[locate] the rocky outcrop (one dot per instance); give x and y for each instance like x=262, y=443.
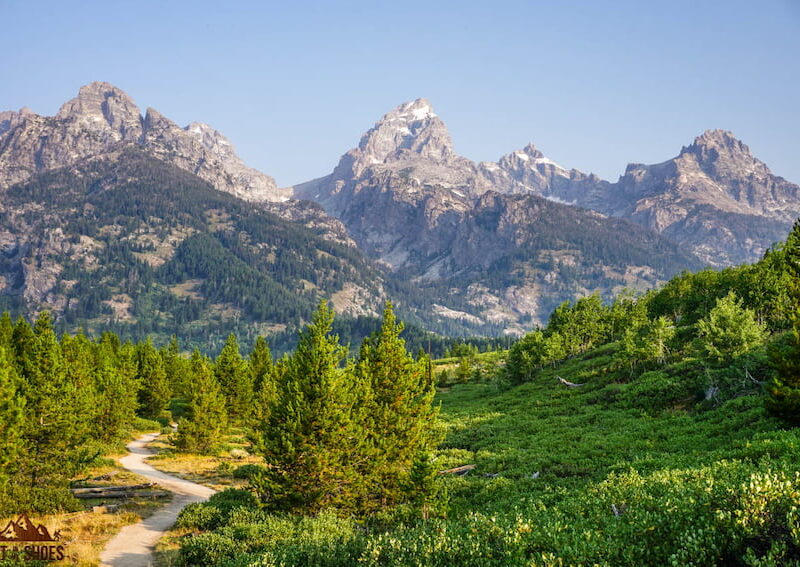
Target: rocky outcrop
x=103, y=118
x=715, y=198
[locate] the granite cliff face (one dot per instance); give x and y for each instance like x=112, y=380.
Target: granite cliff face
x=497, y=235
x=715, y=198
x=103, y=118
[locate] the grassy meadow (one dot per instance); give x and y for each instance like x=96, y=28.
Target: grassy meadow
x=621, y=470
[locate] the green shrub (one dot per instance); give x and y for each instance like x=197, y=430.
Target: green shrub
x=658, y=390
x=143, y=425
x=209, y=549
x=199, y=515
x=232, y=498
x=247, y=471
x=36, y=500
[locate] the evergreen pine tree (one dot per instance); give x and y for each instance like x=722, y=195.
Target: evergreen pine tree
x=234, y=377
x=56, y=427
x=23, y=339
x=423, y=488
x=6, y=332
x=11, y=419
x=784, y=389
x=263, y=374
x=78, y=354
x=399, y=415
x=176, y=368
x=308, y=440
x=203, y=425
x=117, y=395
x=260, y=362
x=154, y=391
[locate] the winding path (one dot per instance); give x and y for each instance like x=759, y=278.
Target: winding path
x=133, y=546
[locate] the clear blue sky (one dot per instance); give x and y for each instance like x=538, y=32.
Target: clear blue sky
x=594, y=84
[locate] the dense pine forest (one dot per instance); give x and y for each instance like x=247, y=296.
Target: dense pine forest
x=657, y=429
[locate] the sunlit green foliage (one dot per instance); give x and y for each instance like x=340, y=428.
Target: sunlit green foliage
x=784, y=389
x=205, y=421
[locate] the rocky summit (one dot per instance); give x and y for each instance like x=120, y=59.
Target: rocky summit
x=715, y=199
x=103, y=118
x=499, y=235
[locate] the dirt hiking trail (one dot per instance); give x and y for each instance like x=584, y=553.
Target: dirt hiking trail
x=133, y=546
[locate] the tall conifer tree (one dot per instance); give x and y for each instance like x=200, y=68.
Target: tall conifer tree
x=117, y=395
x=784, y=389
x=398, y=412
x=263, y=376
x=154, y=390
x=203, y=425
x=11, y=419
x=308, y=440
x=56, y=428
x=6, y=332
x=234, y=378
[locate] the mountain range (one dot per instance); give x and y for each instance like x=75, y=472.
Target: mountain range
x=116, y=218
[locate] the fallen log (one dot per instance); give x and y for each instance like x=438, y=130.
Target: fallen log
x=95, y=489
x=568, y=384
x=460, y=471
x=120, y=494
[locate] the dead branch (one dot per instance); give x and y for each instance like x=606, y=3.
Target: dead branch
x=460, y=471
x=569, y=384
x=103, y=489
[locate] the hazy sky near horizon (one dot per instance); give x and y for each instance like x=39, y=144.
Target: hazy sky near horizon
x=293, y=85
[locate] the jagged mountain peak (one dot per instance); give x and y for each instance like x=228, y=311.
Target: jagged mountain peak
x=100, y=101
x=721, y=154
x=531, y=157
x=101, y=118
x=418, y=109
x=715, y=197
x=153, y=117
x=717, y=138
x=100, y=88
x=210, y=138
x=411, y=129
x=716, y=144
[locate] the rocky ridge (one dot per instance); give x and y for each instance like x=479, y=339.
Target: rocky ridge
x=491, y=245
x=715, y=199
x=496, y=234
x=103, y=118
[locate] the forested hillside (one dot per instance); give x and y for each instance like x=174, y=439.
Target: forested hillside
x=129, y=244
